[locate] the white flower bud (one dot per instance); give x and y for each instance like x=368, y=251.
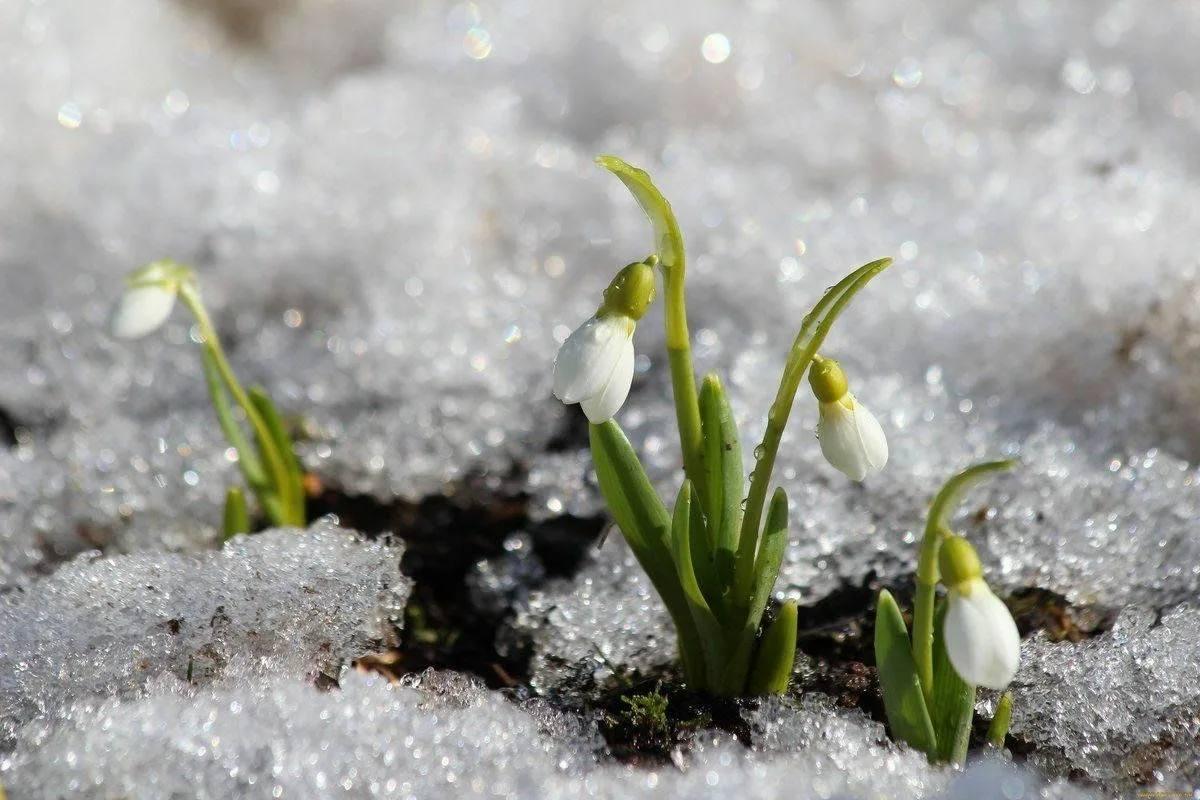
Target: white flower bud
x=594, y=366
x=851, y=438
x=142, y=310
x=981, y=638
x=148, y=300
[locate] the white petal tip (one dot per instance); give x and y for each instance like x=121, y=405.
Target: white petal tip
x=588, y=356
x=981, y=638
x=141, y=311
x=603, y=406
x=852, y=440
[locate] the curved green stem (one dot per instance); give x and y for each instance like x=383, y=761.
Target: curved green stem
x=811, y=336
x=668, y=245
x=276, y=466
x=687, y=412
x=936, y=529
x=251, y=466
x=924, y=603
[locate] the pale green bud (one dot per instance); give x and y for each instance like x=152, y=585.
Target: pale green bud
x=959, y=562
x=632, y=291
x=828, y=382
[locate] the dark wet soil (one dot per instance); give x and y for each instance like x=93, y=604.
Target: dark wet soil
x=445, y=536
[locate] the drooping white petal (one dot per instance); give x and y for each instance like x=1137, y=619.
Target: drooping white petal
x=142, y=309
x=851, y=438
x=981, y=638
x=870, y=432
x=603, y=405
x=587, y=358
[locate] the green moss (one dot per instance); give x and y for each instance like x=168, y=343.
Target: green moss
x=647, y=712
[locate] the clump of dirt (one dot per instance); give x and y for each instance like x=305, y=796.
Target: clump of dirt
x=1042, y=610
x=445, y=536
x=837, y=634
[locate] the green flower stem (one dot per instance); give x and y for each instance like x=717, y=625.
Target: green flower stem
x=252, y=468
x=679, y=355
x=811, y=336
x=687, y=412
x=668, y=246
x=923, y=606
x=936, y=529
x=276, y=466
x=683, y=374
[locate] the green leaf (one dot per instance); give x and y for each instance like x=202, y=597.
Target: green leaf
x=704, y=561
x=776, y=654
x=726, y=483
x=907, y=714
x=709, y=630
x=681, y=546
x=644, y=522
x=294, y=491
x=952, y=705
x=237, y=518
x=248, y=459
x=668, y=241
x=631, y=498
x=766, y=570
x=998, y=729
x=770, y=556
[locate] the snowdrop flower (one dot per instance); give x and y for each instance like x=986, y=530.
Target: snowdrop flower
x=149, y=297
x=981, y=637
x=594, y=366
x=851, y=438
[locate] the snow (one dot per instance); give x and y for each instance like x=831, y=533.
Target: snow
x=283, y=602
x=395, y=219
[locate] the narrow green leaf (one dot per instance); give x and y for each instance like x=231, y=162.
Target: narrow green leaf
x=776, y=654
x=726, y=482
x=709, y=630
x=626, y=488
x=282, y=442
x=681, y=546
x=998, y=729
x=644, y=522
x=770, y=556
x=907, y=714
x=766, y=570
x=704, y=561
x=237, y=518
x=952, y=704
x=248, y=461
